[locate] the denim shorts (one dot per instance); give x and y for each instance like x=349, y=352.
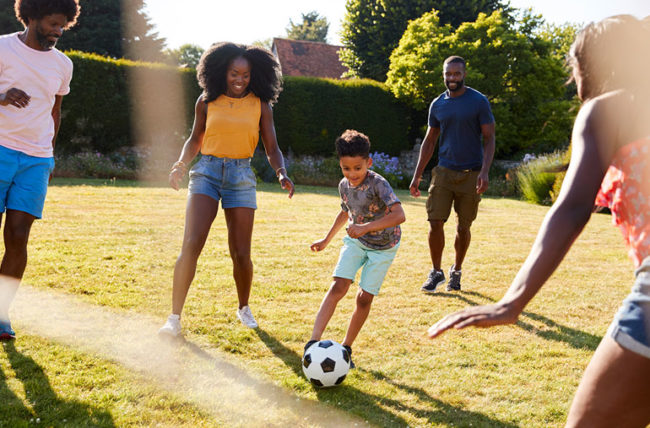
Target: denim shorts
x=23, y=181
x=631, y=326
x=375, y=264
x=231, y=181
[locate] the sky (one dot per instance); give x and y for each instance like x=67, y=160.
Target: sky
x=203, y=22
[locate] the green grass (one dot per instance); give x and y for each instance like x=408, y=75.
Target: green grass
x=115, y=246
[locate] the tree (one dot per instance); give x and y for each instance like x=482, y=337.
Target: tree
x=112, y=28
x=371, y=29
x=187, y=55
x=313, y=28
x=506, y=60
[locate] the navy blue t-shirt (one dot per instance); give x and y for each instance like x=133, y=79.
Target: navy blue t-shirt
x=460, y=120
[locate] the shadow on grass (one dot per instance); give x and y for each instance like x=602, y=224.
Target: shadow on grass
x=557, y=332
x=45, y=404
x=378, y=410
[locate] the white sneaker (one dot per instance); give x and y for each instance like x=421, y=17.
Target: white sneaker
x=172, y=327
x=246, y=317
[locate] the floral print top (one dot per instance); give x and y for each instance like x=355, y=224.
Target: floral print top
x=370, y=201
x=626, y=191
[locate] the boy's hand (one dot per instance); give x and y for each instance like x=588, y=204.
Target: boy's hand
x=356, y=230
x=319, y=245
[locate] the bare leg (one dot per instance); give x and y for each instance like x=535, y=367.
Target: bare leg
x=436, y=242
x=361, y=311
x=240, y=232
x=200, y=213
x=614, y=390
x=463, y=238
x=338, y=289
x=18, y=225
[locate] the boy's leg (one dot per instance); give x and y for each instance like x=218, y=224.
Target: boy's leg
x=336, y=292
x=359, y=316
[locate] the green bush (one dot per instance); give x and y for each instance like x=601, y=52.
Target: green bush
x=536, y=177
x=311, y=112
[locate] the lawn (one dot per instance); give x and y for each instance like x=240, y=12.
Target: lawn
x=112, y=246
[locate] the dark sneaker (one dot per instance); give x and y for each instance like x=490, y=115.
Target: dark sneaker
x=349, y=349
x=6, y=332
x=435, y=279
x=454, y=279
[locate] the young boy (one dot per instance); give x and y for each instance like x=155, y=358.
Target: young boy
x=373, y=213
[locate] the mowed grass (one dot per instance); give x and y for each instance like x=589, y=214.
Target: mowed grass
x=115, y=245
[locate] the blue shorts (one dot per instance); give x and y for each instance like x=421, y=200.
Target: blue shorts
x=23, y=181
x=631, y=326
x=375, y=264
x=231, y=181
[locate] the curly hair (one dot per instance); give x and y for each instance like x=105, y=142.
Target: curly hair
x=611, y=54
x=37, y=9
x=353, y=143
x=266, y=80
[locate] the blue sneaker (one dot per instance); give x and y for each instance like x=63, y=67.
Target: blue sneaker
x=6, y=332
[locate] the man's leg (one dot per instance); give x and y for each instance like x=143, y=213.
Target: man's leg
x=461, y=244
x=436, y=242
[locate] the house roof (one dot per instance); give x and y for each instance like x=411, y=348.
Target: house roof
x=303, y=58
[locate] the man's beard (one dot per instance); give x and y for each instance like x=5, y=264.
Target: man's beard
x=459, y=85
x=42, y=39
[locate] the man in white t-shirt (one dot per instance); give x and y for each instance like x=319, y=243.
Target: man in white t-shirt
x=34, y=77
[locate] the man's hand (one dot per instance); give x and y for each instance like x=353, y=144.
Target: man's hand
x=15, y=97
x=414, y=187
x=482, y=182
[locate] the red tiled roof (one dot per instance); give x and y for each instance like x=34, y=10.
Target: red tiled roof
x=303, y=58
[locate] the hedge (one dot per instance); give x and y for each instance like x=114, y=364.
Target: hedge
x=120, y=103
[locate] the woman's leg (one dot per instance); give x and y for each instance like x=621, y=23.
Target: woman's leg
x=614, y=390
x=240, y=231
x=200, y=213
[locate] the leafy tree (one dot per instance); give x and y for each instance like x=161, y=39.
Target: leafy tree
x=372, y=28
x=313, y=28
x=107, y=27
x=516, y=68
x=186, y=55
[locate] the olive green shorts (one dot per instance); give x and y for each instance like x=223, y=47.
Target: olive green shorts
x=457, y=188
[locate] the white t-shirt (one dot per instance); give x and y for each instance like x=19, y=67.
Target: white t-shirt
x=40, y=74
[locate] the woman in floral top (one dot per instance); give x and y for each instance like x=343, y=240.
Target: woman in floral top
x=610, y=162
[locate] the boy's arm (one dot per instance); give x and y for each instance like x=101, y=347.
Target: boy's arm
x=394, y=217
x=340, y=220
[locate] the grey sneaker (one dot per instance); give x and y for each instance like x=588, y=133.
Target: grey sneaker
x=435, y=279
x=246, y=317
x=454, y=279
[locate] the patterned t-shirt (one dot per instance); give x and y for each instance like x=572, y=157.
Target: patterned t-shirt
x=370, y=201
x=626, y=191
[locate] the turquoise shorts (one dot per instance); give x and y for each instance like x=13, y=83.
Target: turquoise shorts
x=231, y=181
x=375, y=263
x=23, y=181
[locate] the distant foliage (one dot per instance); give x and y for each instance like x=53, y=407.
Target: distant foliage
x=187, y=55
x=536, y=178
x=313, y=28
x=519, y=71
x=371, y=29
x=389, y=167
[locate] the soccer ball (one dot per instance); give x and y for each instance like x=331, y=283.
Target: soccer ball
x=326, y=363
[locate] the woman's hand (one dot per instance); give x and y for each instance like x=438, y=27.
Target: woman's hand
x=319, y=245
x=286, y=182
x=477, y=316
x=176, y=174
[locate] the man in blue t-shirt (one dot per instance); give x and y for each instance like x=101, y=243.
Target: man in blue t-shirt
x=462, y=118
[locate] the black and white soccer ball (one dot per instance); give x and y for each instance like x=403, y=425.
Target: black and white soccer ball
x=326, y=363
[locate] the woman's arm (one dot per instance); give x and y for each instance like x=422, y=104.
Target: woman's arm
x=192, y=145
x=273, y=152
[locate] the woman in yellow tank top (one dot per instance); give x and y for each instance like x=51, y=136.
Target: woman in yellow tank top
x=239, y=84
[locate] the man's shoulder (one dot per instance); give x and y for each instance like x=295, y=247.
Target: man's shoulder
x=62, y=57
x=475, y=94
x=6, y=39
x=440, y=98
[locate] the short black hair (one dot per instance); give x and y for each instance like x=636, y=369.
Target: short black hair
x=266, y=78
x=353, y=143
x=454, y=59
x=38, y=9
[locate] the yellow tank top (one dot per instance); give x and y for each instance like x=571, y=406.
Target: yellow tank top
x=232, y=127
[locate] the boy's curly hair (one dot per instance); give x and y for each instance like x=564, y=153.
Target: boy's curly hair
x=353, y=143
x=37, y=9
x=266, y=79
